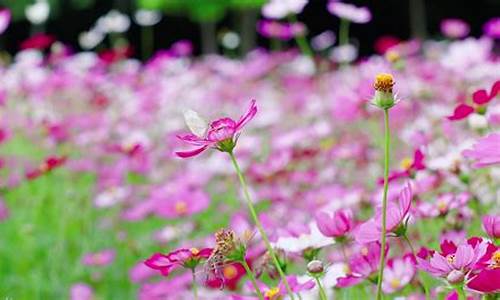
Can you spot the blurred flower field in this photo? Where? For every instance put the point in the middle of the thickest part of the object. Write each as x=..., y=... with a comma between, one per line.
x=301, y=173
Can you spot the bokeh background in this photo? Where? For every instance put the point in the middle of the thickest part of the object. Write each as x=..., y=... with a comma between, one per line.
x=186, y=19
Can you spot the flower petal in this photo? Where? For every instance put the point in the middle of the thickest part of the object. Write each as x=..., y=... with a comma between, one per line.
x=191, y=153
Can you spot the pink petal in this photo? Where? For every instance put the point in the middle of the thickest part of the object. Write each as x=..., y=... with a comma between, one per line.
x=480, y=97
x=186, y=154
x=461, y=112
x=248, y=116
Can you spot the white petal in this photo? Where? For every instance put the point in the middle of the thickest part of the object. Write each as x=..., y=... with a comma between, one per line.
x=196, y=124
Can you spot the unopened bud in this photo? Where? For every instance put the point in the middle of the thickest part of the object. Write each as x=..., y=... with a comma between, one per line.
x=384, y=97
x=455, y=276
x=315, y=267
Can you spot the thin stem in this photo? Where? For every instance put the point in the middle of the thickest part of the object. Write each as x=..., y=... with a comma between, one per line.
x=384, y=204
x=322, y=294
x=252, y=279
x=405, y=237
x=344, y=32
x=300, y=39
x=263, y=234
x=195, y=286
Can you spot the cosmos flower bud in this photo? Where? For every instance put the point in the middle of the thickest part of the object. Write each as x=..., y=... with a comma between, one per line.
x=455, y=276
x=315, y=267
x=384, y=97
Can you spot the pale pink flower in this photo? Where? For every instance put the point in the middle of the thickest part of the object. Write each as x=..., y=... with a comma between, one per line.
x=102, y=258
x=350, y=12
x=278, y=9
x=455, y=28
x=335, y=225
x=5, y=17
x=491, y=225
x=485, y=152
x=398, y=273
x=81, y=291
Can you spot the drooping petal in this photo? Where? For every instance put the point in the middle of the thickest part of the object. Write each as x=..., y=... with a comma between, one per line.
x=461, y=112
x=193, y=140
x=191, y=153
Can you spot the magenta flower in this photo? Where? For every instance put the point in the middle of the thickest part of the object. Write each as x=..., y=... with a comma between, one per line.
x=455, y=28
x=492, y=28
x=221, y=135
x=454, y=263
x=101, y=258
x=409, y=167
x=186, y=258
x=281, y=31
x=5, y=17
x=350, y=12
x=397, y=214
x=491, y=225
x=362, y=265
x=479, y=98
x=486, y=276
x=182, y=203
x=81, y=291
x=398, y=273
x=336, y=225
x=485, y=152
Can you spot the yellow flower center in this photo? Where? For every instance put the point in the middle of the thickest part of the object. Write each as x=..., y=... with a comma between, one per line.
x=180, y=207
x=230, y=272
x=406, y=163
x=384, y=82
x=395, y=283
x=495, y=259
x=272, y=293
x=194, y=251
x=450, y=258
x=442, y=205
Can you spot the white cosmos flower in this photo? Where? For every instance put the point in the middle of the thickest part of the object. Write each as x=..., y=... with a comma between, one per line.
x=38, y=12
x=113, y=21
x=146, y=17
x=90, y=39
x=278, y=9
x=313, y=240
x=195, y=123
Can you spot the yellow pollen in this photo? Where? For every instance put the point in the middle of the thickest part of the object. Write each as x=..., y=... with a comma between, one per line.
x=450, y=258
x=495, y=258
x=194, y=251
x=392, y=56
x=230, y=272
x=180, y=207
x=406, y=163
x=272, y=293
x=384, y=82
x=442, y=206
x=395, y=283
x=347, y=269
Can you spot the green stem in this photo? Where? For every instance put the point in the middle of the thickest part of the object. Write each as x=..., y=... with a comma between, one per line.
x=195, y=286
x=301, y=39
x=344, y=32
x=322, y=294
x=384, y=204
x=405, y=237
x=263, y=234
x=461, y=293
x=252, y=279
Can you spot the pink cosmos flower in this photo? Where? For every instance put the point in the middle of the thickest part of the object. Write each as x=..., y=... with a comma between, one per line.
x=398, y=273
x=278, y=9
x=279, y=30
x=5, y=16
x=182, y=203
x=38, y=41
x=172, y=289
x=49, y=164
x=485, y=152
x=336, y=225
x=491, y=225
x=479, y=98
x=492, y=28
x=410, y=167
x=81, y=291
x=486, y=276
x=186, y=258
x=454, y=262
x=222, y=133
x=362, y=265
x=455, y=28
x=101, y=258
x=350, y=12
x=397, y=214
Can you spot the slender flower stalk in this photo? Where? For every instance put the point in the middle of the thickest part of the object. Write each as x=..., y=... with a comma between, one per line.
x=344, y=32
x=384, y=99
x=263, y=234
x=322, y=294
x=195, y=286
x=252, y=279
x=461, y=293
x=300, y=39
